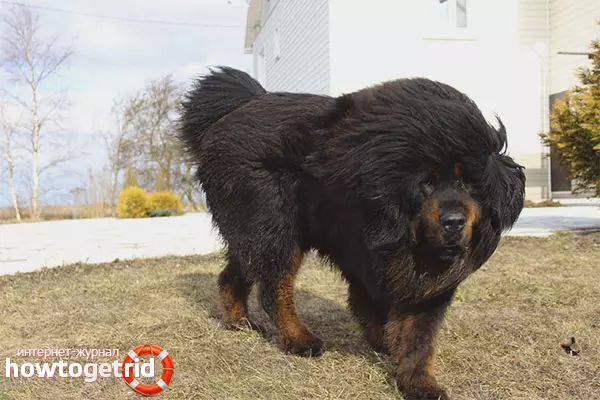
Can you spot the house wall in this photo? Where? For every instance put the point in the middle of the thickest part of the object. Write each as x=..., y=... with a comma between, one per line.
x=396, y=38
x=496, y=61
x=302, y=64
x=573, y=26
x=534, y=84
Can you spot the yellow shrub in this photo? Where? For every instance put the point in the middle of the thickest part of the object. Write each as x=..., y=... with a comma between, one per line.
x=165, y=201
x=133, y=203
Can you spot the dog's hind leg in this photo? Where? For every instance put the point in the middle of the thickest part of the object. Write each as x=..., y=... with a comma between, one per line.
x=234, y=290
x=277, y=299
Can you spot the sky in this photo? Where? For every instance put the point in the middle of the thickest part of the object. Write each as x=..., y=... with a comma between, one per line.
x=113, y=58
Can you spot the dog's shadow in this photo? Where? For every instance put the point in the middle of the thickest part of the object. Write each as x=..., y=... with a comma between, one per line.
x=329, y=320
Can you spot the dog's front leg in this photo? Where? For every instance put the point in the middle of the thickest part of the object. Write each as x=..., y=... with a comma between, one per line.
x=410, y=334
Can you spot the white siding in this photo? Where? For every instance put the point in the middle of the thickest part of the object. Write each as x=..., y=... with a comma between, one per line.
x=303, y=62
x=534, y=91
x=532, y=22
x=573, y=26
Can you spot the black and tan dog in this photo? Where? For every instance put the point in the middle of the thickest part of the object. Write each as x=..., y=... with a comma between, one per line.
x=403, y=186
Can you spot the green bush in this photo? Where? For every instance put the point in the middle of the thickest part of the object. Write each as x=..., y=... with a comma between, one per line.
x=165, y=201
x=133, y=203
x=576, y=128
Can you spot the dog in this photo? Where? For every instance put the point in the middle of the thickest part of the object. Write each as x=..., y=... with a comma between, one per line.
x=404, y=186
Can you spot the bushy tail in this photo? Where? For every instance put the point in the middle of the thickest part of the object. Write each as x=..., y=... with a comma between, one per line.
x=211, y=98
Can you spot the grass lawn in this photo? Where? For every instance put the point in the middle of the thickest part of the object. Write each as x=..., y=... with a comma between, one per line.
x=501, y=339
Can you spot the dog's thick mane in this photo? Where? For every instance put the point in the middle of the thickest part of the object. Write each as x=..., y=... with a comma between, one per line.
x=404, y=128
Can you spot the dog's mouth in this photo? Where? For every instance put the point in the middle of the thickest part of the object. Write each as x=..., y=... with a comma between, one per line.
x=451, y=252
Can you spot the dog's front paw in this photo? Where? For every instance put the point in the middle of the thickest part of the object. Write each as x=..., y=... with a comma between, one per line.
x=425, y=393
x=307, y=346
x=420, y=385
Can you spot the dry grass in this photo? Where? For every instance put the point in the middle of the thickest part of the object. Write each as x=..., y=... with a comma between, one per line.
x=501, y=339
x=51, y=213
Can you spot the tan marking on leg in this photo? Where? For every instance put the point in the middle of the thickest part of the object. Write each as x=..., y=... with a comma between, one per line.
x=235, y=309
x=286, y=318
x=415, y=375
x=428, y=367
x=233, y=293
x=296, y=334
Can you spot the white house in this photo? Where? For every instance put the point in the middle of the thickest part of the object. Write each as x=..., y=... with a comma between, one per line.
x=508, y=55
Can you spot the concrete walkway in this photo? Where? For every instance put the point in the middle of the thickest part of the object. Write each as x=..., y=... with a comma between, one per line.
x=30, y=246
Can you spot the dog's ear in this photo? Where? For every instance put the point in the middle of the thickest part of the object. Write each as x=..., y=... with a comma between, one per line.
x=516, y=181
x=505, y=181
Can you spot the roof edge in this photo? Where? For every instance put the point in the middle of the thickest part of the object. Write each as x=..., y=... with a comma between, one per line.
x=253, y=24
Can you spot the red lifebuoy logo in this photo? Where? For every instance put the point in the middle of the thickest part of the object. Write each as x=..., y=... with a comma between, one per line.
x=158, y=386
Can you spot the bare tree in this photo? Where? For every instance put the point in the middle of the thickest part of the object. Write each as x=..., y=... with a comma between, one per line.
x=143, y=143
x=96, y=193
x=29, y=60
x=150, y=146
x=76, y=193
x=116, y=144
x=151, y=115
x=7, y=147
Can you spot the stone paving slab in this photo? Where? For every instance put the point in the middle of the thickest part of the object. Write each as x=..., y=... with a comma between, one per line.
x=30, y=246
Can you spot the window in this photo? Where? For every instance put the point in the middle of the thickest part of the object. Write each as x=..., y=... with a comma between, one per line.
x=452, y=13
x=450, y=20
x=461, y=13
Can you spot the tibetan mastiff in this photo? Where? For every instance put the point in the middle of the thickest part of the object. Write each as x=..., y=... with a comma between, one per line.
x=404, y=187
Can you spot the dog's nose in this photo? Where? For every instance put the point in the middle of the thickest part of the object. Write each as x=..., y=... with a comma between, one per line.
x=453, y=222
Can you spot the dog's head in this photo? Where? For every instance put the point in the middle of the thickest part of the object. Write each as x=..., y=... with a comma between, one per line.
x=462, y=205
x=448, y=213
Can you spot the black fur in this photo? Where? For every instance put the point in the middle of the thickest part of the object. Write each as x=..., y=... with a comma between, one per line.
x=345, y=176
